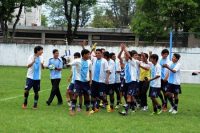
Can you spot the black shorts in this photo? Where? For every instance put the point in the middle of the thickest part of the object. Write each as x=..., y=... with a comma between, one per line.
x=110, y=88
x=164, y=85
x=30, y=83
x=131, y=88
x=98, y=89
x=143, y=87
x=82, y=88
x=154, y=92
x=71, y=87
x=117, y=86
x=172, y=88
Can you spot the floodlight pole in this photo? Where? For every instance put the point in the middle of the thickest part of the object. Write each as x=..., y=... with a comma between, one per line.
x=170, y=45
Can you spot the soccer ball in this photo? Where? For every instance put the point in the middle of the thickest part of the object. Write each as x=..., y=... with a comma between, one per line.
x=51, y=67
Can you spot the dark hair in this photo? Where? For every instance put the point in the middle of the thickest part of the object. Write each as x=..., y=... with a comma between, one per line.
x=37, y=48
x=84, y=51
x=165, y=51
x=100, y=50
x=106, y=54
x=54, y=51
x=146, y=55
x=111, y=54
x=133, y=52
x=177, y=56
x=154, y=57
x=77, y=54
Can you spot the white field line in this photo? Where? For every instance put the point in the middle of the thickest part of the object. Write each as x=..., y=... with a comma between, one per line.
x=10, y=98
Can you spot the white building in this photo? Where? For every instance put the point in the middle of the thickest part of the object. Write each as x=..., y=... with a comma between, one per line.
x=29, y=16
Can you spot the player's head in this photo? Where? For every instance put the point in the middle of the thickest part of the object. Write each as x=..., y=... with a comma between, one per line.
x=38, y=50
x=134, y=54
x=154, y=58
x=106, y=55
x=85, y=54
x=139, y=57
x=144, y=57
x=77, y=55
x=113, y=56
x=55, y=53
x=176, y=57
x=164, y=53
x=98, y=53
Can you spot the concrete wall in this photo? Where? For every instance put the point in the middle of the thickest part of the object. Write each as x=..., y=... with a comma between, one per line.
x=17, y=54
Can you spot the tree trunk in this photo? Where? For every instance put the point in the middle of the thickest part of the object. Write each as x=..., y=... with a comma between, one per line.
x=17, y=20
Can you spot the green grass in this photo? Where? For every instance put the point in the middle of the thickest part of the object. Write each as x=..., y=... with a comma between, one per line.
x=56, y=118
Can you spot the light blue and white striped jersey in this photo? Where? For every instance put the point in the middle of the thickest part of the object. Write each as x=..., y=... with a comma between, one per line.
x=155, y=71
x=163, y=69
x=83, y=67
x=175, y=78
x=131, y=70
x=111, y=65
x=99, y=69
x=34, y=72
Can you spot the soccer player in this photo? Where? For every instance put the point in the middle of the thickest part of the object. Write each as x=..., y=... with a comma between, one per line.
x=174, y=81
x=144, y=84
x=131, y=65
x=83, y=79
x=155, y=83
x=117, y=78
x=100, y=77
x=110, y=88
x=35, y=64
x=69, y=93
x=164, y=60
x=55, y=66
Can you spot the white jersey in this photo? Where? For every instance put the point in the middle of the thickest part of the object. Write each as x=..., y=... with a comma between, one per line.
x=155, y=71
x=111, y=65
x=34, y=72
x=131, y=70
x=175, y=78
x=82, y=69
x=99, y=69
x=117, y=71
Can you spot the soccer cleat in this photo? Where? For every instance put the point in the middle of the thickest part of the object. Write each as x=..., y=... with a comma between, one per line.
x=59, y=103
x=174, y=112
x=153, y=113
x=159, y=111
x=96, y=110
x=164, y=108
x=124, y=113
x=117, y=107
x=24, y=106
x=91, y=112
x=133, y=111
x=47, y=103
x=145, y=108
x=78, y=109
x=171, y=110
x=35, y=107
x=69, y=103
x=110, y=110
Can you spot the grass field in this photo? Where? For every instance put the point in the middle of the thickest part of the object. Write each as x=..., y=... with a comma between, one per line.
x=54, y=118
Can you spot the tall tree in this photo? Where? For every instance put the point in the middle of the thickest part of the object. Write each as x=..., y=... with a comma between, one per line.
x=121, y=12
x=70, y=7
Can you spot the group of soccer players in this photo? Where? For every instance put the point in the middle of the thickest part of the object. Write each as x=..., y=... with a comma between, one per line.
x=100, y=79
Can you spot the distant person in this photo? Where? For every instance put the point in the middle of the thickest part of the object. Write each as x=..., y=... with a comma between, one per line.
x=55, y=66
x=35, y=64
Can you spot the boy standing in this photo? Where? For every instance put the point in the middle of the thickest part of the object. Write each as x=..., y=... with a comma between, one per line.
x=55, y=66
x=35, y=64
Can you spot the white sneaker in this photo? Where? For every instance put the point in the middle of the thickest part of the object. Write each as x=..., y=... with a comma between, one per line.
x=174, y=112
x=117, y=107
x=171, y=110
x=145, y=108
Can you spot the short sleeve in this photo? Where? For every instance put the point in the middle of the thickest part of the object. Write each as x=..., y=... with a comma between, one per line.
x=30, y=60
x=177, y=67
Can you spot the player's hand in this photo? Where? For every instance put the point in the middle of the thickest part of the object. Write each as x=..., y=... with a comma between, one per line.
x=165, y=65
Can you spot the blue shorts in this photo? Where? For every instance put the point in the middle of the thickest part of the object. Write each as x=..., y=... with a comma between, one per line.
x=82, y=88
x=71, y=87
x=98, y=89
x=30, y=83
x=172, y=88
x=154, y=92
x=131, y=88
